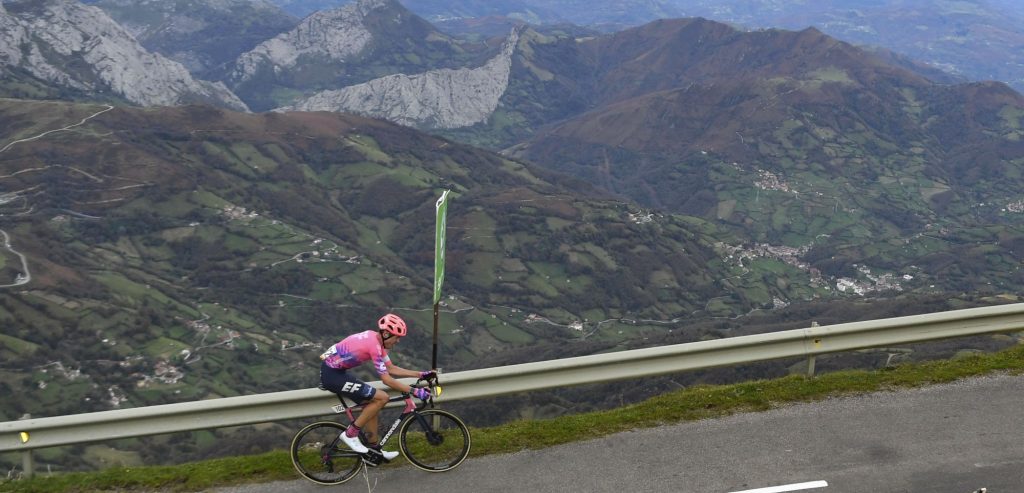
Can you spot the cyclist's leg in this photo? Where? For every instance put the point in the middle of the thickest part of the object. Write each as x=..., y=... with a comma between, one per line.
x=380, y=399
x=367, y=420
x=346, y=385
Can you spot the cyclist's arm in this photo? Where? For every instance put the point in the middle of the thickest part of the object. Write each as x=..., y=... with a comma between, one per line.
x=394, y=372
x=391, y=381
x=400, y=372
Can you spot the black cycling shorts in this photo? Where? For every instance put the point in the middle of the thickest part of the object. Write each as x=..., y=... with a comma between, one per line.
x=344, y=384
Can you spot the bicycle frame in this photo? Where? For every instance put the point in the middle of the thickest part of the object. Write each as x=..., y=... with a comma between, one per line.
x=410, y=408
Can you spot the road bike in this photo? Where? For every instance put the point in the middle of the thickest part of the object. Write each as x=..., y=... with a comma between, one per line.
x=431, y=439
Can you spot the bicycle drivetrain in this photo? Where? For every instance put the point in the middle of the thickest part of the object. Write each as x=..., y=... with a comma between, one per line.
x=373, y=458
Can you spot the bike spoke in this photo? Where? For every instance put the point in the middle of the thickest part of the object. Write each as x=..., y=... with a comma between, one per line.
x=319, y=456
x=435, y=441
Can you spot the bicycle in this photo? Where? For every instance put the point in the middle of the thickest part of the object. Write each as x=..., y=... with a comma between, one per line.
x=431, y=439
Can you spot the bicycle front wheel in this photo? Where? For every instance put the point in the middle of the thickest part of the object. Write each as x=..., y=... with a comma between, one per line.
x=434, y=440
x=321, y=457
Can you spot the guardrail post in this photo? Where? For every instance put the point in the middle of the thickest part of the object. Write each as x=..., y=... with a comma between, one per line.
x=810, y=359
x=28, y=463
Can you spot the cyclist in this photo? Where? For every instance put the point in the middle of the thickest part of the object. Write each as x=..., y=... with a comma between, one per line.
x=354, y=350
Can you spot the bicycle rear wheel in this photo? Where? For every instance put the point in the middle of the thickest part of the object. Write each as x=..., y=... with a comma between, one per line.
x=434, y=440
x=321, y=457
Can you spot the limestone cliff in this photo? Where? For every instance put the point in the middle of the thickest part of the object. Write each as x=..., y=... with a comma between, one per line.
x=333, y=34
x=202, y=35
x=66, y=43
x=443, y=98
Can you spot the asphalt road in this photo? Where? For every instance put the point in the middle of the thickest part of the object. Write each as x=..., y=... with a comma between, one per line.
x=955, y=438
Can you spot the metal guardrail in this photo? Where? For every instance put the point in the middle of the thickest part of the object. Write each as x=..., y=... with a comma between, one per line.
x=26, y=435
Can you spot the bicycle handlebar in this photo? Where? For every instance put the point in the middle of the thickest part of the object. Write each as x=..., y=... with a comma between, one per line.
x=432, y=383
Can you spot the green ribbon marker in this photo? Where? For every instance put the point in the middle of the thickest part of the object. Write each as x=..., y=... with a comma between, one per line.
x=439, y=238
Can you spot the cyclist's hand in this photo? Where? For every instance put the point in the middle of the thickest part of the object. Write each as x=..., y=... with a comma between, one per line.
x=428, y=375
x=421, y=393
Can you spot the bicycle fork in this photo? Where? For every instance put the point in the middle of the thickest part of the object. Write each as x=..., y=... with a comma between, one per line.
x=433, y=436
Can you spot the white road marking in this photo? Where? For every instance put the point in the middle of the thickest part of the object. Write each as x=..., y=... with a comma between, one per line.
x=787, y=487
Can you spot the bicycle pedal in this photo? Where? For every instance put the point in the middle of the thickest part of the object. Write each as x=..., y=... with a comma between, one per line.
x=373, y=458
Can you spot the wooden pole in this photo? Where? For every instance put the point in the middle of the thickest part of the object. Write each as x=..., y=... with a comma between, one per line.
x=433, y=360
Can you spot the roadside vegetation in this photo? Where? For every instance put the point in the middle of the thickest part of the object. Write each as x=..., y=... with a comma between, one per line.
x=694, y=403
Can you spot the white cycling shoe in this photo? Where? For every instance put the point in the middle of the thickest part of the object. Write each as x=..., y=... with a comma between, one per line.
x=376, y=456
x=354, y=443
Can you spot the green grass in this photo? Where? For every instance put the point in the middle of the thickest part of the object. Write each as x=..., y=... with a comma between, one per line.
x=19, y=346
x=368, y=147
x=509, y=334
x=137, y=291
x=694, y=403
x=165, y=348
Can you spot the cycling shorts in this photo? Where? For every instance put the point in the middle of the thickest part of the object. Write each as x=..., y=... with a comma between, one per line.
x=341, y=382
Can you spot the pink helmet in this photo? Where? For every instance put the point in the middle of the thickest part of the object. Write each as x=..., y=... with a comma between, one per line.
x=393, y=324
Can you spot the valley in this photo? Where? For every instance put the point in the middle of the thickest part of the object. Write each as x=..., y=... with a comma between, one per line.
x=670, y=182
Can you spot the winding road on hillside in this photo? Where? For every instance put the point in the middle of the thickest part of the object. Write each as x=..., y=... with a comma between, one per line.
x=22, y=278
x=106, y=108
x=26, y=277
x=951, y=438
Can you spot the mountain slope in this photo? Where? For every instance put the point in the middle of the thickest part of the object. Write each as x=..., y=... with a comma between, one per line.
x=66, y=44
x=442, y=98
x=184, y=253
x=336, y=48
x=977, y=39
x=797, y=102
x=791, y=139
x=202, y=35
x=795, y=139
x=610, y=15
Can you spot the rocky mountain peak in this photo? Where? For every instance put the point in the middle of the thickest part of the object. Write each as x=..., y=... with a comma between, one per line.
x=336, y=35
x=70, y=44
x=442, y=98
x=202, y=35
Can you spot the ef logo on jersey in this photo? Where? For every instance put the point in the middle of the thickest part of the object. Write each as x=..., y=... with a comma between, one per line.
x=351, y=387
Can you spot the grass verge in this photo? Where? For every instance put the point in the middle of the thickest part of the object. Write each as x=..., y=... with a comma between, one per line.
x=694, y=403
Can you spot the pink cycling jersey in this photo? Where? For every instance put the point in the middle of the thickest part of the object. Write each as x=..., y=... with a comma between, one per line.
x=355, y=349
